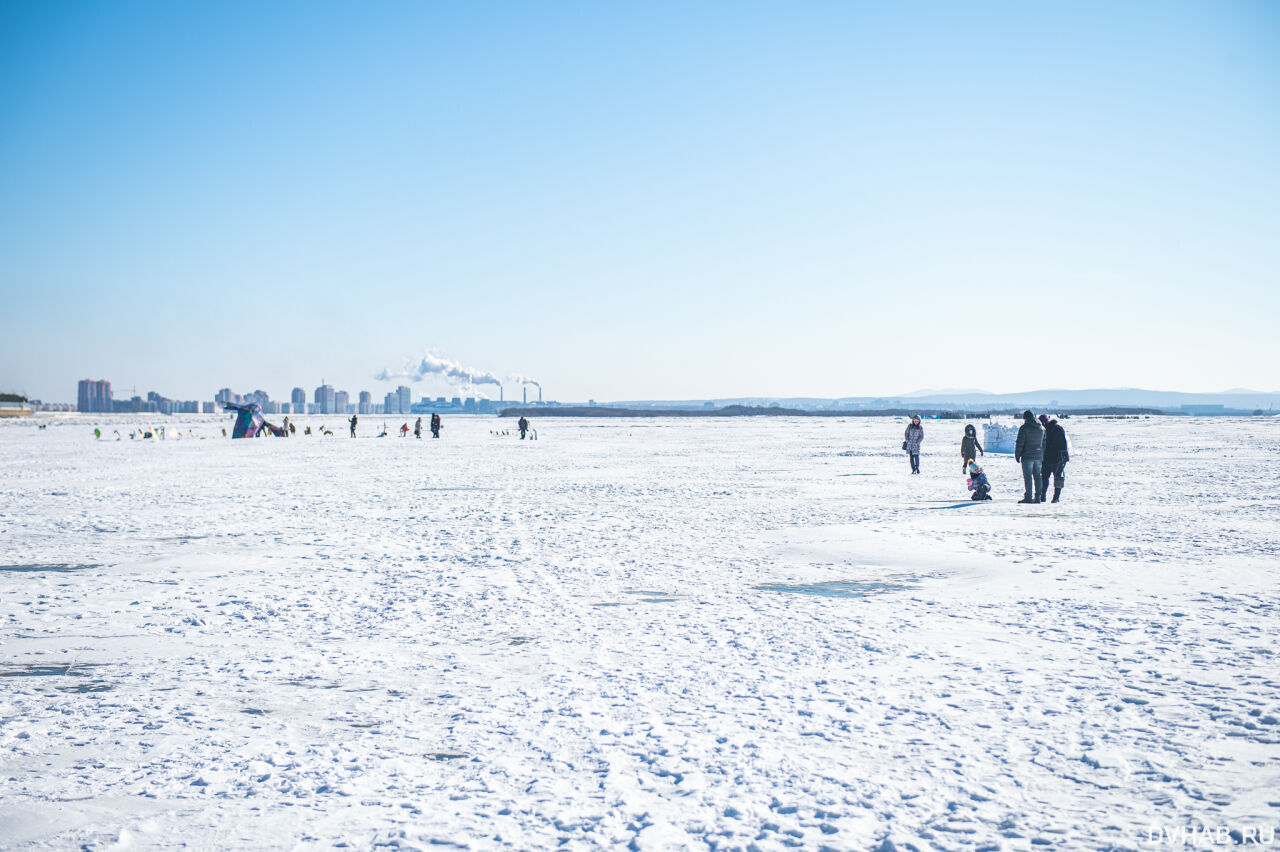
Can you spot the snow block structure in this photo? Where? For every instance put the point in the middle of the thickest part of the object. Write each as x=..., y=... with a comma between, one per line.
x=998, y=438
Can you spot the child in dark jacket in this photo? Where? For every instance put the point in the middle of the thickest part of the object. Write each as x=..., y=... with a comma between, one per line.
x=969, y=447
x=978, y=482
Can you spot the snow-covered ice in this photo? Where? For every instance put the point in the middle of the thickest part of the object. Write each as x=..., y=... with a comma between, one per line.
x=664, y=633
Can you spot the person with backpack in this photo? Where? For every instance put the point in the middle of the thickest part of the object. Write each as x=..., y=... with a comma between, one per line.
x=1029, y=451
x=914, y=436
x=1055, y=456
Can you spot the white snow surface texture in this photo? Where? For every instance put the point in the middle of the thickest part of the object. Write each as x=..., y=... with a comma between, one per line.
x=705, y=633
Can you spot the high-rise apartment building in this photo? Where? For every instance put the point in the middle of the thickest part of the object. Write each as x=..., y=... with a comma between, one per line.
x=340, y=402
x=391, y=405
x=366, y=403
x=325, y=401
x=404, y=399
x=299, y=399
x=94, y=396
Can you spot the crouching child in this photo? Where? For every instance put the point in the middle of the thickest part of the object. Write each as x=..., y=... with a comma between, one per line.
x=978, y=482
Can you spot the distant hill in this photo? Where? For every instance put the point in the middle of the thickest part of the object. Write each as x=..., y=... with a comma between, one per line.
x=1060, y=399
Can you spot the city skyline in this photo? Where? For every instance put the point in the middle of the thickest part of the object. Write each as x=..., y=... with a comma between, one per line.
x=95, y=396
x=645, y=201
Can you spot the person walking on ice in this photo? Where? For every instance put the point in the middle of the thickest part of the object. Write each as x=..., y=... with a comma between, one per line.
x=353, y=425
x=436, y=426
x=523, y=426
x=968, y=444
x=1029, y=451
x=913, y=437
x=1055, y=457
x=417, y=428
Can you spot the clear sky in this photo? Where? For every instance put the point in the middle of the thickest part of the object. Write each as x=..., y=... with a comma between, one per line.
x=648, y=200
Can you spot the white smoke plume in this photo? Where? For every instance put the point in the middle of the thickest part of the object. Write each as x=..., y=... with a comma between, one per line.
x=518, y=379
x=435, y=365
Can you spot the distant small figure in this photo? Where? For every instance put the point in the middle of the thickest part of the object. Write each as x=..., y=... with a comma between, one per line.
x=523, y=426
x=97, y=434
x=327, y=433
x=224, y=432
x=978, y=482
x=383, y=433
x=293, y=430
x=1055, y=456
x=436, y=425
x=968, y=444
x=286, y=426
x=417, y=428
x=913, y=437
x=306, y=431
x=404, y=430
x=353, y=425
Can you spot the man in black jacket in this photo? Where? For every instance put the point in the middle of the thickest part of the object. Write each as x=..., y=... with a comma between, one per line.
x=1029, y=450
x=1055, y=456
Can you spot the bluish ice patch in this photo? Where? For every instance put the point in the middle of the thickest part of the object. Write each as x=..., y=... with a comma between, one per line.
x=56, y=566
x=48, y=670
x=835, y=588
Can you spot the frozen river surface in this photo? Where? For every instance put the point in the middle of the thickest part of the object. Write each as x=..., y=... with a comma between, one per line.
x=671, y=634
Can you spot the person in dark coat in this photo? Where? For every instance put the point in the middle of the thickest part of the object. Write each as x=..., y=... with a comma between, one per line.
x=435, y=425
x=1029, y=450
x=912, y=440
x=1055, y=456
x=353, y=425
x=968, y=445
x=523, y=425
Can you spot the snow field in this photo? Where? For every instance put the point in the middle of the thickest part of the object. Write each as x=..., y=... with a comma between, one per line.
x=590, y=641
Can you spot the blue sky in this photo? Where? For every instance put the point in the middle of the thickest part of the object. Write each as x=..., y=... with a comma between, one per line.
x=650, y=200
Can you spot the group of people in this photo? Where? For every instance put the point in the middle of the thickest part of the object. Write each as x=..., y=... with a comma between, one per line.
x=435, y=426
x=1041, y=449
x=251, y=424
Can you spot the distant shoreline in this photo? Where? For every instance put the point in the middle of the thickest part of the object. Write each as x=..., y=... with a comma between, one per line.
x=763, y=411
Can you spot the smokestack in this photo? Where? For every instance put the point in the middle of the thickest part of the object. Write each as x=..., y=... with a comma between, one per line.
x=499, y=393
x=526, y=396
x=539, y=393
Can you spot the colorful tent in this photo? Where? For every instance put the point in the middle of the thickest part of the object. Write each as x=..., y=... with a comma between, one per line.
x=250, y=422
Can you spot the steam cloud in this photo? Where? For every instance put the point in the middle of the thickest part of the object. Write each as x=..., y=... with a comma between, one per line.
x=446, y=368
x=449, y=370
